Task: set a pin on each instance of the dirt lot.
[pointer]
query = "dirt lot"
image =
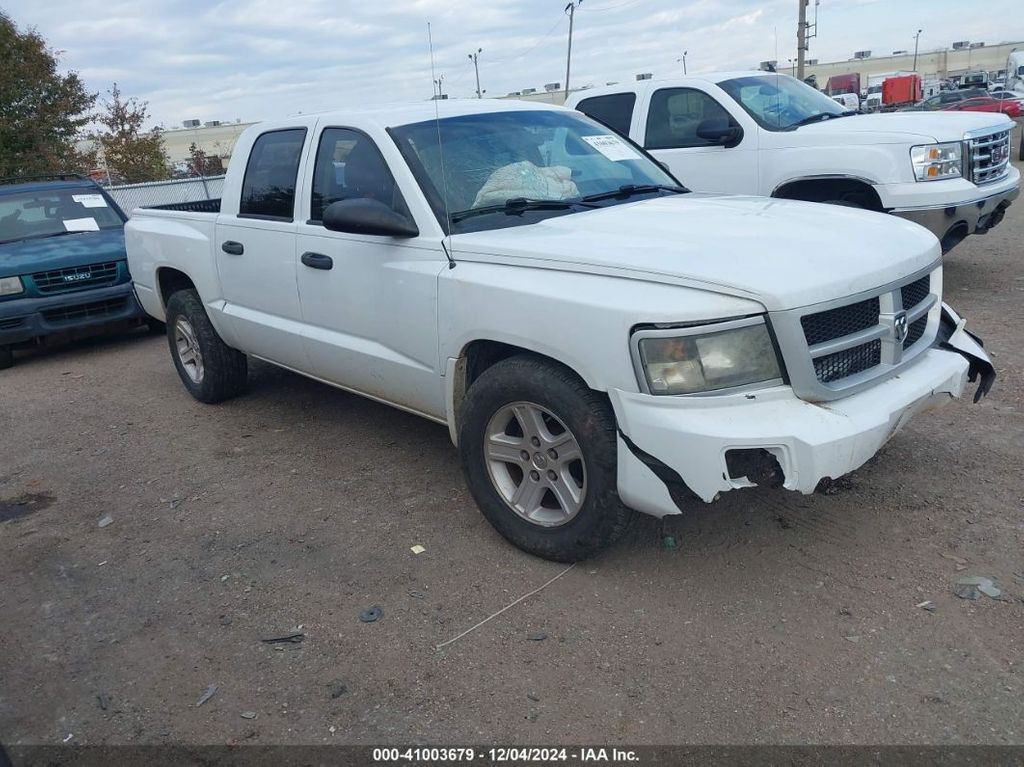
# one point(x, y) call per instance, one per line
point(779, 618)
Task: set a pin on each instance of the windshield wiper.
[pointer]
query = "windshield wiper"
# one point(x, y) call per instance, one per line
point(515, 205)
point(36, 237)
point(626, 191)
point(820, 117)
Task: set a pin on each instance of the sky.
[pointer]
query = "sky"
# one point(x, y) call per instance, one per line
point(259, 59)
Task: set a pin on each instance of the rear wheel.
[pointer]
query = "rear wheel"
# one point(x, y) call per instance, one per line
point(6, 357)
point(538, 450)
point(210, 369)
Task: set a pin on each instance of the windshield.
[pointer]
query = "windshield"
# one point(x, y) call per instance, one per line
point(511, 168)
point(53, 212)
point(781, 102)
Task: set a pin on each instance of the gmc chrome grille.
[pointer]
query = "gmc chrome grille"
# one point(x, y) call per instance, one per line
point(835, 349)
point(988, 156)
point(76, 278)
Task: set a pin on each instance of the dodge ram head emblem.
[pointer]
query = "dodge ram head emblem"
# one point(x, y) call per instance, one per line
point(899, 327)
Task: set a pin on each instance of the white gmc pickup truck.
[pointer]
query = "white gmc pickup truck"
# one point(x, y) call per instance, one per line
point(773, 135)
point(595, 337)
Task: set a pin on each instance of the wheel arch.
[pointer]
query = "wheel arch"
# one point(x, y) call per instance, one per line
point(169, 281)
point(475, 357)
point(824, 188)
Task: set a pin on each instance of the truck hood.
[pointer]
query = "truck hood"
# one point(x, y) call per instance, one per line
point(781, 253)
point(63, 252)
point(897, 127)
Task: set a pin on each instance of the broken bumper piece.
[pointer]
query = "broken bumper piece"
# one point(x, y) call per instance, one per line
point(672, 447)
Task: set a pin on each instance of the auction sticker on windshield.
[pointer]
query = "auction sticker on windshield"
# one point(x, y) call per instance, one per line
point(612, 147)
point(81, 225)
point(90, 200)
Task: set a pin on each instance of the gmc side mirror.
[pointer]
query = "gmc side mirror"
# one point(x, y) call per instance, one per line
point(364, 215)
point(719, 130)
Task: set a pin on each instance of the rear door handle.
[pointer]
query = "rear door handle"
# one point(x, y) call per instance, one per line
point(317, 261)
point(232, 248)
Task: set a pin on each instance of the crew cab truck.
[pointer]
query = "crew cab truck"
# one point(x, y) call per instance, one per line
point(63, 268)
point(596, 338)
point(772, 135)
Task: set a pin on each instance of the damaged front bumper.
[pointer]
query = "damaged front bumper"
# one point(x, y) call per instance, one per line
point(671, 447)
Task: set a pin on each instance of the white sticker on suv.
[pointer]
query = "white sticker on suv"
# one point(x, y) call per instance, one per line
point(612, 147)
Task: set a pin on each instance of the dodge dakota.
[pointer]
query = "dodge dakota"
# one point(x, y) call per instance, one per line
point(596, 338)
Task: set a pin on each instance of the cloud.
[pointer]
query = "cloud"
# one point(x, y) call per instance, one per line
point(253, 59)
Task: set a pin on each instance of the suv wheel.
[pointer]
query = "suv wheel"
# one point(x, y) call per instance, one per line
point(210, 369)
point(538, 450)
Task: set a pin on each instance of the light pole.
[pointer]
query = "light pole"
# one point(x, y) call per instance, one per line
point(683, 59)
point(571, 10)
point(439, 82)
point(792, 66)
point(473, 57)
point(917, 39)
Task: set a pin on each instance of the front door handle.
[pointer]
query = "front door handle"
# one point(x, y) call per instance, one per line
point(232, 248)
point(317, 261)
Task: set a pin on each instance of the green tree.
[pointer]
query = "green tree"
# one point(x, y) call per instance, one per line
point(202, 164)
point(130, 154)
point(41, 111)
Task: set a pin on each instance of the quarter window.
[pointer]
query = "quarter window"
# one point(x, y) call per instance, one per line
point(349, 166)
point(268, 190)
point(614, 110)
point(675, 114)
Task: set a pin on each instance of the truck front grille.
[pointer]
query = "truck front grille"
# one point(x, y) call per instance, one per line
point(988, 157)
point(836, 349)
point(80, 312)
point(76, 278)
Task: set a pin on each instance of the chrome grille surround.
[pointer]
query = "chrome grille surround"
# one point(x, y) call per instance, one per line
point(824, 370)
point(988, 154)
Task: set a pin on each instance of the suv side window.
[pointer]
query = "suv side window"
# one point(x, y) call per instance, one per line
point(674, 115)
point(268, 189)
point(349, 166)
point(614, 110)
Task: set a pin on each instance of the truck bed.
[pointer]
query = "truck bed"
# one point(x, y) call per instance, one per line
point(196, 206)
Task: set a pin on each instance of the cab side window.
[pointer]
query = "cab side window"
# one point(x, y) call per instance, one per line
point(349, 166)
point(268, 189)
point(675, 114)
point(614, 110)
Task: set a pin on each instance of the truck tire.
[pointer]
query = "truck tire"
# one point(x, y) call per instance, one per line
point(210, 369)
point(538, 450)
point(6, 357)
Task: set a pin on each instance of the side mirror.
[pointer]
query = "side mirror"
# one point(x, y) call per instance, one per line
point(719, 130)
point(367, 216)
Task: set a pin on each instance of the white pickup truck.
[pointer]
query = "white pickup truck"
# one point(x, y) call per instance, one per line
point(596, 338)
point(772, 135)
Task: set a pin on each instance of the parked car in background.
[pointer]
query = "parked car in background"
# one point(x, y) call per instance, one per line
point(945, 98)
point(1008, 107)
point(772, 135)
point(1004, 95)
point(63, 268)
point(595, 337)
point(850, 101)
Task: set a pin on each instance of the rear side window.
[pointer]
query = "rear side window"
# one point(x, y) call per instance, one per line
point(268, 190)
point(615, 110)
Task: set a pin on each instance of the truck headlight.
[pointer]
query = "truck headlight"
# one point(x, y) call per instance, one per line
point(11, 286)
point(934, 162)
point(691, 360)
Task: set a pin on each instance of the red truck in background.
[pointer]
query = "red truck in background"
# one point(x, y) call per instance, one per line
point(901, 90)
point(839, 84)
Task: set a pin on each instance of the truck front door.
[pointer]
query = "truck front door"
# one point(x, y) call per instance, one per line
point(675, 119)
point(369, 303)
point(255, 252)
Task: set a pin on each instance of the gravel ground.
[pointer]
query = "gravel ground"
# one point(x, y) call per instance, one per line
point(778, 618)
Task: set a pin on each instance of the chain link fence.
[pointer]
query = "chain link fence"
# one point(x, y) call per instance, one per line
point(131, 196)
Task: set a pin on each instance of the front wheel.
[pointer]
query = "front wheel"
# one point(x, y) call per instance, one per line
point(538, 450)
point(210, 369)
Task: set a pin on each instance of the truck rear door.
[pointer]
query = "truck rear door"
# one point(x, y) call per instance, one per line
point(255, 252)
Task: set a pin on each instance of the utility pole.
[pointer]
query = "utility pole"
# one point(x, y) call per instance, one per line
point(473, 58)
point(439, 82)
point(917, 39)
point(571, 10)
point(683, 59)
point(801, 39)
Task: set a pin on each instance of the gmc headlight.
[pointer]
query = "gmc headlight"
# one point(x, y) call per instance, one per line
point(708, 358)
point(11, 286)
point(934, 162)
